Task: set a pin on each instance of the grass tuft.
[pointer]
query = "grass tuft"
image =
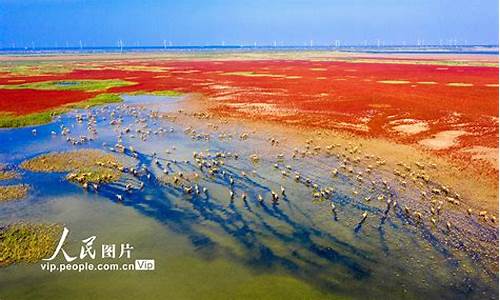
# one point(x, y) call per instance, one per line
point(8, 120)
point(13, 192)
point(91, 85)
point(28, 243)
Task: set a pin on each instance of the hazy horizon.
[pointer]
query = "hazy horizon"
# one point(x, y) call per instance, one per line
point(64, 23)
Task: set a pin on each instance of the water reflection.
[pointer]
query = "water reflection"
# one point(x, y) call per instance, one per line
point(336, 250)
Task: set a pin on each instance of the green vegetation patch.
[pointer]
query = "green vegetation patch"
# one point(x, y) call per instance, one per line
point(167, 93)
point(38, 69)
point(100, 99)
point(13, 192)
point(8, 120)
point(28, 243)
point(85, 166)
point(91, 85)
point(252, 74)
point(154, 69)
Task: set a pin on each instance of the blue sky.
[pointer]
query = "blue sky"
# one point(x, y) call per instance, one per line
point(189, 22)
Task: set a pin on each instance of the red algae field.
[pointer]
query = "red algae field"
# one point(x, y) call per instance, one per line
point(449, 108)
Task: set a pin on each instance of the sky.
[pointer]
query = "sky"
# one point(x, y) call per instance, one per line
point(51, 23)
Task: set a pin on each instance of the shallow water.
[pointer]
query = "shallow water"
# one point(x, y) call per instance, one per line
point(207, 246)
